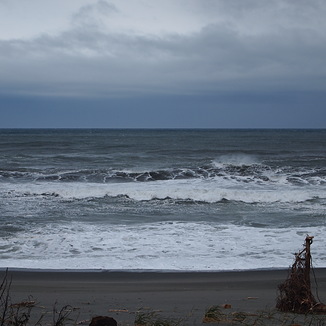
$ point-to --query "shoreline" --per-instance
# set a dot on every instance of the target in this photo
(176, 294)
(98, 270)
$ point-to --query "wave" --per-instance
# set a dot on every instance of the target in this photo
(242, 169)
(206, 191)
(236, 159)
(235, 178)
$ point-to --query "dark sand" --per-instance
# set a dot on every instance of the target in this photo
(172, 294)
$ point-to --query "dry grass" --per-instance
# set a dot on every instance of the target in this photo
(273, 317)
(26, 312)
(152, 318)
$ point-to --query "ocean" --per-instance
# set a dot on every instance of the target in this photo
(191, 200)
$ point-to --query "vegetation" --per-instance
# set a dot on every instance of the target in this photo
(153, 319)
(21, 314)
(29, 313)
(215, 315)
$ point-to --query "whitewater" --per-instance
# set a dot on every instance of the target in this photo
(161, 199)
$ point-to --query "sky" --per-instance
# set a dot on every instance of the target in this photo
(162, 64)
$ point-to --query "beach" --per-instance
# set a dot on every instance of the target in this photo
(120, 222)
(177, 295)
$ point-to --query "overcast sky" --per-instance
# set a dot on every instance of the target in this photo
(166, 64)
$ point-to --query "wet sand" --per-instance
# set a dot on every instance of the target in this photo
(120, 295)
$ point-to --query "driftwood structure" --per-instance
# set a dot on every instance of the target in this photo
(295, 293)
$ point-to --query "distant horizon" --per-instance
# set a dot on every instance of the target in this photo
(150, 128)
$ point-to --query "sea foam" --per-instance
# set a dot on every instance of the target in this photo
(169, 246)
(210, 191)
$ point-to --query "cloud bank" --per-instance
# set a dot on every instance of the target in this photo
(136, 48)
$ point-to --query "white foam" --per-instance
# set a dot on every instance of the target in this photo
(237, 159)
(169, 246)
(210, 191)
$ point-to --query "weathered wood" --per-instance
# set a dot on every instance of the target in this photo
(307, 261)
(295, 293)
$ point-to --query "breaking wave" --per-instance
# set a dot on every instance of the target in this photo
(236, 168)
(209, 191)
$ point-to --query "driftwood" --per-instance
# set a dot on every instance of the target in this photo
(295, 293)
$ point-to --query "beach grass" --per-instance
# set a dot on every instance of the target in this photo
(215, 315)
(28, 312)
(152, 318)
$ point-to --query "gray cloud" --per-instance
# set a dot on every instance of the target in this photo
(262, 45)
(91, 15)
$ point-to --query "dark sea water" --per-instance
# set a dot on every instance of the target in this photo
(161, 199)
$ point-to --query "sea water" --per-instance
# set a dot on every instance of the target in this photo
(161, 199)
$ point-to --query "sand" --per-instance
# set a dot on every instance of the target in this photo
(120, 295)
